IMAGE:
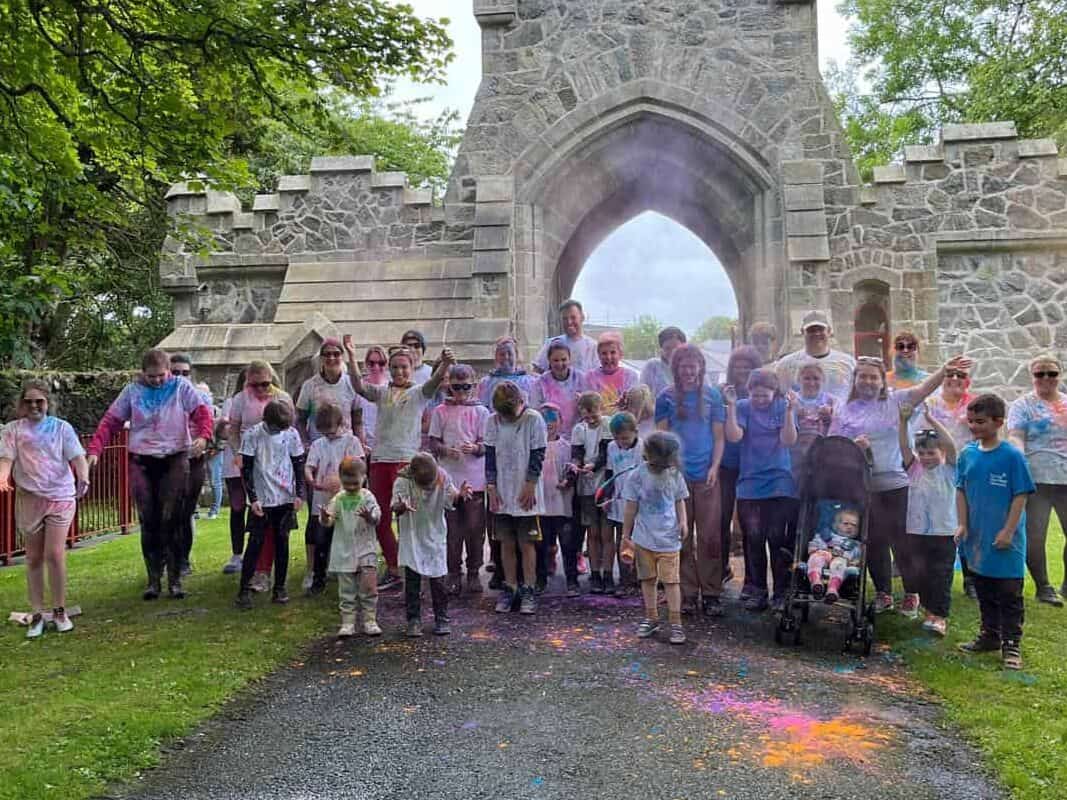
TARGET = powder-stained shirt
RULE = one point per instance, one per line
(324, 460)
(558, 502)
(229, 463)
(611, 386)
(583, 353)
(456, 425)
(355, 541)
(879, 421)
(41, 453)
(931, 500)
(953, 417)
(657, 495)
(423, 539)
(158, 417)
(1045, 426)
(246, 409)
(399, 424)
(695, 430)
(273, 477)
(317, 392)
(622, 462)
(766, 466)
(547, 389)
(513, 442)
(814, 415)
(590, 437)
(837, 368)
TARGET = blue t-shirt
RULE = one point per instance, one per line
(991, 479)
(696, 433)
(766, 466)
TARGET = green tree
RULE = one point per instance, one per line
(639, 338)
(105, 104)
(931, 62)
(714, 328)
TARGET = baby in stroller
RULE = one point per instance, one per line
(835, 548)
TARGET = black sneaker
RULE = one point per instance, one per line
(969, 588)
(176, 591)
(609, 583)
(496, 583)
(539, 589)
(442, 626)
(1049, 596)
(153, 590)
(756, 604)
(1010, 655)
(244, 600)
(504, 600)
(596, 583)
(280, 596)
(573, 589)
(527, 601)
(712, 607)
(983, 643)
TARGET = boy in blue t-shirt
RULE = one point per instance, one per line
(992, 482)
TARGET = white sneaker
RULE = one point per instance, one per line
(36, 627)
(62, 621)
(260, 582)
(233, 566)
(308, 580)
(346, 631)
(372, 629)
(213, 515)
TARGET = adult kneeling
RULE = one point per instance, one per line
(159, 408)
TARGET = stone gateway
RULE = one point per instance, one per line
(590, 112)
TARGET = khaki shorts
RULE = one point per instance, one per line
(655, 565)
(516, 529)
(33, 513)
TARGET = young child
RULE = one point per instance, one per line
(515, 442)
(352, 515)
(640, 402)
(335, 443)
(589, 456)
(624, 455)
(557, 523)
(457, 433)
(992, 482)
(421, 496)
(612, 380)
(815, 411)
(654, 525)
(272, 469)
(932, 519)
(837, 549)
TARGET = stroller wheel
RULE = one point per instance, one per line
(868, 638)
(787, 631)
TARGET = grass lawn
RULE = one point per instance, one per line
(1019, 719)
(134, 674)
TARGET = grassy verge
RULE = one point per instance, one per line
(1018, 719)
(95, 705)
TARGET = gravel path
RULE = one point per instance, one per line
(569, 704)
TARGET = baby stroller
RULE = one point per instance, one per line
(836, 475)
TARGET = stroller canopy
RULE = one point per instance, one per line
(837, 468)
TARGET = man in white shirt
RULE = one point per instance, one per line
(837, 366)
(583, 348)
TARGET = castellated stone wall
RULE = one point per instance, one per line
(967, 240)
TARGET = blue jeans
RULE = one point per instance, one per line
(215, 465)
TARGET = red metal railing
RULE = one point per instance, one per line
(107, 507)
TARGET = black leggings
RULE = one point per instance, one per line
(276, 521)
(559, 529)
(235, 488)
(933, 564)
(413, 599)
(886, 539)
(766, 524)
(158, 485)
(197, 473)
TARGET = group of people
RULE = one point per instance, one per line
(633, 478)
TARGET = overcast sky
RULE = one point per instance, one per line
(626, 275)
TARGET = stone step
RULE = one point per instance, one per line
(377, 310)
(416, 269)
(362, 291)
(482, 332)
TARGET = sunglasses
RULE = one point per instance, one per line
(926, 433)
(462, 387)
(1047, 374)
(375, 363)
(181, 373)
(331, 354)
(875, 360)
(904, 347)
(953, 374)
(260, 385)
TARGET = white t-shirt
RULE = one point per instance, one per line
(41, 453)
(513, 442)
(272, 476)
(558, 502)
(590, 438)
(583, 353)
(656, 495)
(455, 425)
(324, 460)
(622, 463)
(423, 539)
(355, 541)
(837, 368)
(932, 500)
(399, 423)
(317, 392)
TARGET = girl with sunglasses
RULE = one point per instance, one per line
(457, 434)
(1037, 425)
(905, 373)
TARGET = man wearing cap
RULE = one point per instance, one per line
(414, 341)
(583, 348)
(837, 367)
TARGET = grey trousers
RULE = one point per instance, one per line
(1039, 508)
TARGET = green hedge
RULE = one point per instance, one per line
(81, 398)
